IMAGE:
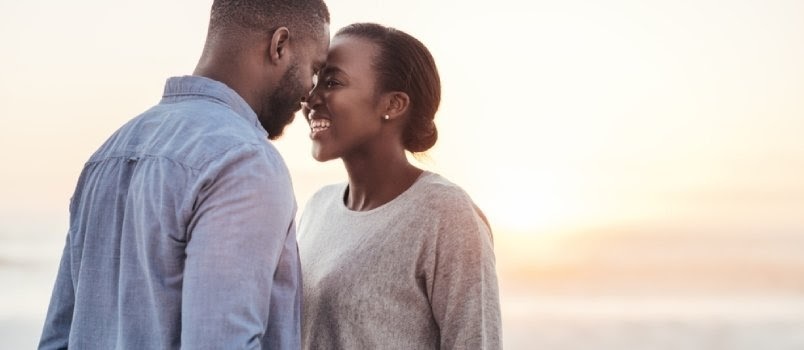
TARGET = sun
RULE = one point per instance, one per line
(529, 202)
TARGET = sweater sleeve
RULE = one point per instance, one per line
(465, 297)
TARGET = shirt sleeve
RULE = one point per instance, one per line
(238, 240)
(286, 300)
(58, 322)
(465, 297)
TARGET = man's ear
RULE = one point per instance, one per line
(278, 48)
(398, 104)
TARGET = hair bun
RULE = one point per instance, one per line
(423, 139)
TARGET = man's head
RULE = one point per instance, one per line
(267, 51)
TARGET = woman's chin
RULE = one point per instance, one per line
(320, 155)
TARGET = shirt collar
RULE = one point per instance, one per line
(193, 86)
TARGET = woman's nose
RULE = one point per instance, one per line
(312, 99)
(309, 102)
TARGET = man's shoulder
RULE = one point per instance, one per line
(190, 132)
(202, 119)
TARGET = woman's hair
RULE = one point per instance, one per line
(404, 64)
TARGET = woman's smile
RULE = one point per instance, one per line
(318, 126)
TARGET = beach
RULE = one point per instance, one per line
(602, 292)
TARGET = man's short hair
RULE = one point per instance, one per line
(301, 17)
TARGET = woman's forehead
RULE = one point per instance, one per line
(348, 53)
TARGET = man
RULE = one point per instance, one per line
(182, 224)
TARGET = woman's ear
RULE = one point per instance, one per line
(398, 104)
(277, 49)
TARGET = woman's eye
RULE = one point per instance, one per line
(331, 83)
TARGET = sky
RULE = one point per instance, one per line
(557, 116)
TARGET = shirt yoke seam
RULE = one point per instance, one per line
(198, 168)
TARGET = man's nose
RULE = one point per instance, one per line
(312, 98)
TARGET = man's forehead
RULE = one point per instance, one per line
(323, 49)
(322, 35)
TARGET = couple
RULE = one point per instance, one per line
(182, 228)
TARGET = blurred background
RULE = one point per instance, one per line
(641, 162)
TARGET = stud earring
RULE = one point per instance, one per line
(386, 117)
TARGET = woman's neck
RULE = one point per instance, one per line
(376, 180)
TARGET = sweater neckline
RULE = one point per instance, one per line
(401, 197)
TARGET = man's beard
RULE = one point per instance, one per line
(283, 103)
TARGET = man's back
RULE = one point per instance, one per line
(173, 233)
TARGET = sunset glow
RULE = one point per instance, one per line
(615, 146)
(553, 117)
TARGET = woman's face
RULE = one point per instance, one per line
(343, 109)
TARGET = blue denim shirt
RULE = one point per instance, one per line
(181, 234)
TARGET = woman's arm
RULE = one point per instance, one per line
(465, 297)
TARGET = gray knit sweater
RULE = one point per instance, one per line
(415, 273)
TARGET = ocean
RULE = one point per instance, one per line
(581, 301)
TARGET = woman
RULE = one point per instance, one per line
(397, 257)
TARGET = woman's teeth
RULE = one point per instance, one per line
(317, 125)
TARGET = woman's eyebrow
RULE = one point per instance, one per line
(328, 69)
